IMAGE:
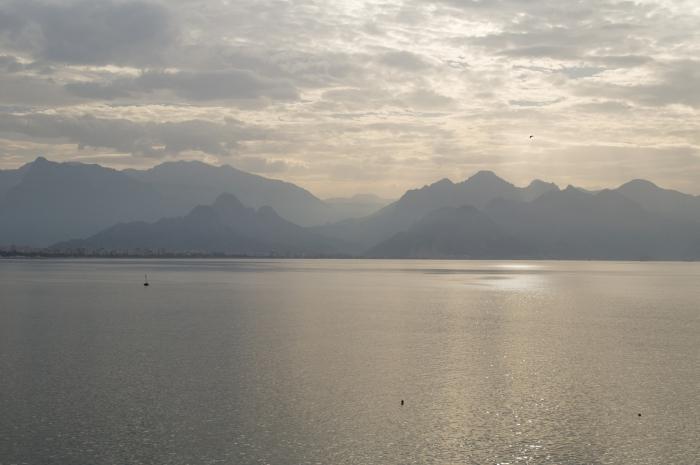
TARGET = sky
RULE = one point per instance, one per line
(345, 96)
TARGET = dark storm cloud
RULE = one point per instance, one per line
(87, 31)
(125, 136)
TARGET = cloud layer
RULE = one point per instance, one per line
(351, 96)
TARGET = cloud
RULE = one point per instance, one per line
(190, 86)
(99, 90)
(675, 82)
(533, 103)
(10, 64)
(261, 165)
(403, 60)
(290, 84)
(229, 84)
(426, 99)
(543, 51)
(17, 89)
(87, 31)
(140, 139)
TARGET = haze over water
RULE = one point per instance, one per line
(306, 362)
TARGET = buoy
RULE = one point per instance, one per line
(401, 401)
(145, 280)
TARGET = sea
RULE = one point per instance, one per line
(326, 362)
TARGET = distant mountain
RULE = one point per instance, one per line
(356, 206)
(568, 224)
(535, 189)
(10, 178)
(191, 183)
(226, 226)
(45, 202)
(179, 206)
(463, 232)
(477, 191)
(670, 203)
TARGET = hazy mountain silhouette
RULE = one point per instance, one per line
(463, 232)
(477, 191)
(54, 201)
(192, 183)
(10, 178)
(44, 202)
(567, 224)
(535, 189)
(226, 226)
(357, 206)
(670, 203)
(603, 225)
(484, 216)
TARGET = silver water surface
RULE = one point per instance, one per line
(305, 362)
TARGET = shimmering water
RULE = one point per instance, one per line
(305, 362)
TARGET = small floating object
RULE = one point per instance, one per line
(145, 280)
(639, 414)
(401, 401)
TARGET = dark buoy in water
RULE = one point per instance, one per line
(145, 280)
(639, 414)
(401, 401)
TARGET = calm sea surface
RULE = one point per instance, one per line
(306, 362)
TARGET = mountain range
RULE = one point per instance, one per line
(191, 206)
(477, 191)
(225, 227)
(44, 202)
(560, 224)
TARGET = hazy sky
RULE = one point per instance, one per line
(359, 96)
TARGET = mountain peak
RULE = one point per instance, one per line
(640, 183)
(484, 174)
(539, 183)
(41, 162)
(571, 193)
(486, 178)
(442, 182)
(227, 200)
(537, 188)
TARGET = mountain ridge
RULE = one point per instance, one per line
(46, 200)
(226, 226)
